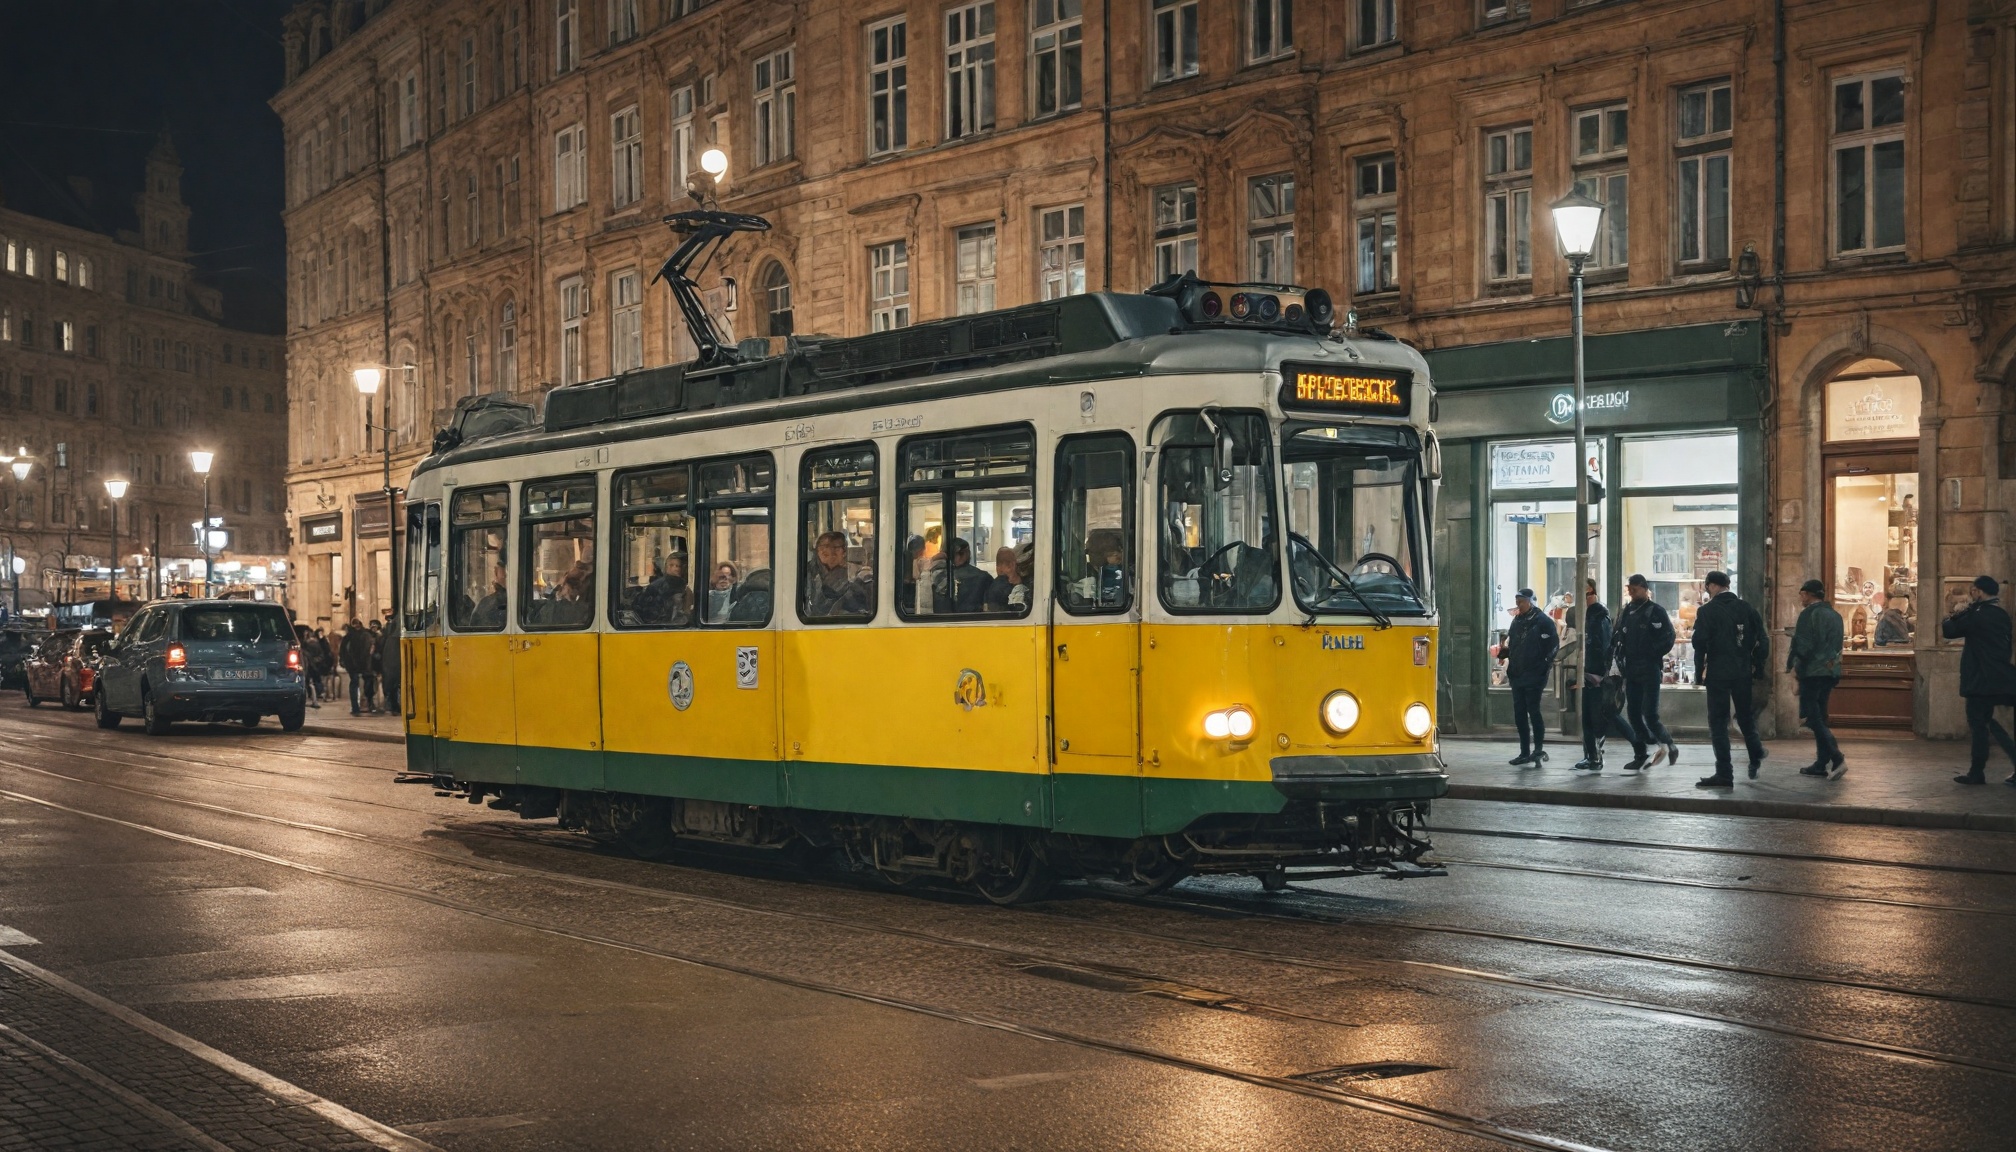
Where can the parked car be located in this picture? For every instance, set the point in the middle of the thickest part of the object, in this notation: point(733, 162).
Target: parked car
point(65, 667)
point(16, 645)
point(203, 660)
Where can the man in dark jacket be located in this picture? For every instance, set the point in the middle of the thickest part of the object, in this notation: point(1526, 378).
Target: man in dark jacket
point(1815, 659)
point(1643, 637)
point(1987, 679)
point(354, 654)
point(1730, 650)
point(1596, 654)
point(1530, 645)
point(389, 668)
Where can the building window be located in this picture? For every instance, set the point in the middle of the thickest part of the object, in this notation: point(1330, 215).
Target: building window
point(566, 34)
point(1060, 261)
point(66, 335)
point(468, 75)
point(409, 111)
point(626, 322)
point(515, 48)
point(28, 260)
point(776, 108)
point(1702, 139)
point(1869, 164)
point(83, 273)
point(1056, 45)
point(680, 164)
point(13, 248)
point(472, 211)
point(472, 364)
point(62, 266)
point(1499, 11)
point(59, 397)
point(888, 86)
point(7, 325)
point(1270, 229)
point(889, 286)
point(1271, 25)
point(507, 347)
point(91, 398)
point(91, 340)
point(1602, 155)
point(626, 160)
point(1175, 231)
point(776, 298)
point(622, 20)
point(1378, 22)
point(573, 304)
point(969, 70)
point(1376, 206)
point(1873, 546)
point(570, 167)
point(973, 271)
point(1508, 203)
point(1175, 39)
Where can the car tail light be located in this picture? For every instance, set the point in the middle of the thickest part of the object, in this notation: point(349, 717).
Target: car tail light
point(178, 656)
point(294, 659)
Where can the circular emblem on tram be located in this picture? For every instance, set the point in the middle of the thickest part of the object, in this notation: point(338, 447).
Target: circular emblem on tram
point(679, 685)
point(971, 691)
point(1561, 409)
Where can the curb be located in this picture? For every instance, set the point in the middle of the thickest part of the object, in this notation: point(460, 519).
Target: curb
point(1772, 809)
point(341, 733)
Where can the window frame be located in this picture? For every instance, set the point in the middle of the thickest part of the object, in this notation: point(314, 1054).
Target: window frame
point(1269, 469)
point(970, 59)
point(1065, 37)
point(1176, 45)
point(897, 310)
point(1280, 35)
point(573, 366)
point(528, 520)
point(626, 158)
point(1508, 184)
point(1700, 150)
point(887, 56)
point(679, 139)
point(620, 515)
point(771, 297)
point(1065, 240)
point(1276, 231)
point(570, 153)
point(1383, 16)
point(775, 105)
point(1865, 141)
point(566, 36)
point(1130, 499)
point(1597, 174)
point(948, 495)
point(1172, 237)
point(701, 505)
point(1381, 209)
point(985, 238)
point(807, 496)
point(626, 320)
point(457, 533)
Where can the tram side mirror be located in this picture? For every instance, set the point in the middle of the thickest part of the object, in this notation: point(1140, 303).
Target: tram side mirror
point(1222, 459)
point(1431, 458)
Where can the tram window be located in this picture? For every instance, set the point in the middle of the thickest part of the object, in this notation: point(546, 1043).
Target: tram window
point(969, 518)
point(654, 533)
point(479, 522)
point(557, 582)
point(1353, 498)
point(423, 565)
point(1216, 513)
point(1095, 524)
point(734, 506)
point(837, 563)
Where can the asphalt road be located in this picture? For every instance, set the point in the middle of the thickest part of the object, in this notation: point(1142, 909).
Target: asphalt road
point(1582, 978)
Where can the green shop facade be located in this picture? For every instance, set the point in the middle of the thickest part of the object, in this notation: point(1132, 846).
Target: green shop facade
point(1674, 435)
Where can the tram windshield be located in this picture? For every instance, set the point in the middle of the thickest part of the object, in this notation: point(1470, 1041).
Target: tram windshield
point(1354, 500)
point(1219, 552)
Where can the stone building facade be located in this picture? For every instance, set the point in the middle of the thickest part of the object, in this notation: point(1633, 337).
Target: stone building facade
point(113, 364)
point(1811, 220)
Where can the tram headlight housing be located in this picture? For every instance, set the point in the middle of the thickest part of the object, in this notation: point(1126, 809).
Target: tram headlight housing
point(1340, 712)
point(1417, 721)
point(1234, 723)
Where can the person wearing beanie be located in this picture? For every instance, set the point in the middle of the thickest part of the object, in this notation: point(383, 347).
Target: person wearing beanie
point(1987, 678)
point(1730, 651)
point(1815, 660)
point(1528, 652)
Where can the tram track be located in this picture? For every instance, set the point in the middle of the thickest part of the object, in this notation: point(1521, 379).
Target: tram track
point(1718, 850)
point(544, 839)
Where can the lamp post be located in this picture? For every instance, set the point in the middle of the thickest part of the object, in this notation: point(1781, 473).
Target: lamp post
point(370, 379)
point(116, 489)
point(200, 461)
point(21, 465)
point(1576, 219)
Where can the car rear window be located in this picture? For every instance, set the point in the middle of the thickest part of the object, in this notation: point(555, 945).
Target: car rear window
point(94, 644)
point(246, 625)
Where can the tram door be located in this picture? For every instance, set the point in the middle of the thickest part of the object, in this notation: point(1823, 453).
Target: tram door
point(1095, 639)
point(420, 645)
point(473, 701)
point(556, 656)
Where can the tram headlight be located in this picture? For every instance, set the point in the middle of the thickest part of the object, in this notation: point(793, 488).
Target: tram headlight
point(1340, 712)
point(1417, 720)
point(1217, 725)
point(1234, 723)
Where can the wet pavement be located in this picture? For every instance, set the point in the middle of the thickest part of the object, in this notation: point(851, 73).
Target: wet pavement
point(1584, 977)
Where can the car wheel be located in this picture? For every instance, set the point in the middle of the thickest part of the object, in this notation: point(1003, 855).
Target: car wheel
point(70, 701)
point(249, 721)
point(106, 717)
point(292, 717)
point(34, 701)
point(150, 715)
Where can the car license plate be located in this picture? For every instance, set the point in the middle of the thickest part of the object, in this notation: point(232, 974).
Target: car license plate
point(238, 674)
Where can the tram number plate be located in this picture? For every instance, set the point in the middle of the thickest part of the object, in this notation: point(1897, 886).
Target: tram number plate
point(238, 674)
point(1332, 388)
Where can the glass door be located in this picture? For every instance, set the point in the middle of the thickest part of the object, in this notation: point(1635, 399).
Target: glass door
point(1872, 576)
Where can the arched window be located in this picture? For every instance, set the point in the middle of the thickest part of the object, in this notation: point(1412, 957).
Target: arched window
point(507, 347)
point(777, 298)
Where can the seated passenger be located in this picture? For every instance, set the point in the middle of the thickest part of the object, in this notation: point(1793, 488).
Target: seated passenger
point(663, 600)
point(749, 602)
point(1009, 590)
point(956, 586)
point(489, 611)
point(719, 591)
point(574, 597)
point(913, 574)
point(830, 590)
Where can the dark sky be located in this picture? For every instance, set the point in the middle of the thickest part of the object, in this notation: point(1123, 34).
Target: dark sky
point(85, 87)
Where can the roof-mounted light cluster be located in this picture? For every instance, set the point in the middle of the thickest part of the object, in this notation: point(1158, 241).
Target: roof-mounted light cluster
point(1250, 305)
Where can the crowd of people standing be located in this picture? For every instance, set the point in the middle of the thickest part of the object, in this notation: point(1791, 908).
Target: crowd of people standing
point(365, 657)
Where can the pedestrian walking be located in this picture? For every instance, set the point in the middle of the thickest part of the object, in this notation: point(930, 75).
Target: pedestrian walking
point(1730, 651)
point(304, 645)
point(1530, 646)
point(1596, 655)
point(1642, 637)
point(354, 654)
point(388, 662)
point(1987, 679)
point(371, 668)
point(1815, 659)
point(325, 665)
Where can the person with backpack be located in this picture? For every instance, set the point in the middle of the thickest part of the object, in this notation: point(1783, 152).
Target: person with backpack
point(1730, 652)
point(1643, 637)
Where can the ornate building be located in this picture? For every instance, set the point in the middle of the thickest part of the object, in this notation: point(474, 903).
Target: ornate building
point(1801, 303)
point(114, 365)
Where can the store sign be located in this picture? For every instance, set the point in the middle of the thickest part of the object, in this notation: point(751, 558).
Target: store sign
point(322, 529)
point(1546, 465)
point(1881, 408)
point(1561, 409)
point(1363, 392)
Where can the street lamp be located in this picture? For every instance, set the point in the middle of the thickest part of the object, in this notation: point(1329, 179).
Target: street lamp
point(21, 465)
point(200, 461)
point(1576, 219)
point(116, 489)
point(368, 379)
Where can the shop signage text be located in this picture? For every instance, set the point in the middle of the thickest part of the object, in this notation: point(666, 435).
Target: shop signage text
point(1561, 409)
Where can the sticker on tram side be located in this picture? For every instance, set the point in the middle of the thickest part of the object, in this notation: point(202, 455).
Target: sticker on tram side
point(1420, 651)
point(745, 667)
point(679, 685)
point(971, 691)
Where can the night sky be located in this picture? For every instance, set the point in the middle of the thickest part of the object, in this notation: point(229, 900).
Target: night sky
point(85, 87)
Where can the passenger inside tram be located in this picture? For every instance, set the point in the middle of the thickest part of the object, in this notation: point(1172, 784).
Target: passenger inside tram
point(664, 600)
point(833, 588)
point(1009, 590)
point(489, 611)
point(957, 586)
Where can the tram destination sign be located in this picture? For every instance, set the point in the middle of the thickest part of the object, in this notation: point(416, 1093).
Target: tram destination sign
point(1335, 388)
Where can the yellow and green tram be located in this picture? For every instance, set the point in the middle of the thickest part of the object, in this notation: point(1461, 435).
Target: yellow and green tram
point(1118, 586)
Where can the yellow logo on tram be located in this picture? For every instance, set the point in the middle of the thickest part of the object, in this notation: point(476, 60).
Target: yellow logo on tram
point(971, 691)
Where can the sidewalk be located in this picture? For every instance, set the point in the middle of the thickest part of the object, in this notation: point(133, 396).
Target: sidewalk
point(1889, 781)
point(334, 719)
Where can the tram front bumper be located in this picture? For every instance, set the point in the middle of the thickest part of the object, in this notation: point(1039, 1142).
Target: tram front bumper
point(1418, 776)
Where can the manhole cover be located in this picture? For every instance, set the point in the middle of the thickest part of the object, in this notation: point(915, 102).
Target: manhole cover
point(1351, 1073)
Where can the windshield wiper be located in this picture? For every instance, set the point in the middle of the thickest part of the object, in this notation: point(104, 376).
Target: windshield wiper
point(1343, 578)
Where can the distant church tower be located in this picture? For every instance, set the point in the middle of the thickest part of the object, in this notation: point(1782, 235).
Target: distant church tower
point(164, 219)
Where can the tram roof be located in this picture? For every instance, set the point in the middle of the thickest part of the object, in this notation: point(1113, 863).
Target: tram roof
point(1075, 340)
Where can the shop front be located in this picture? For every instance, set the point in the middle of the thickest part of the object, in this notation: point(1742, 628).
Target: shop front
point(1674, 452)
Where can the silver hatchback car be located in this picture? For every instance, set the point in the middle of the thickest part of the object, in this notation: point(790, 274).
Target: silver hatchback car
point(203, 660)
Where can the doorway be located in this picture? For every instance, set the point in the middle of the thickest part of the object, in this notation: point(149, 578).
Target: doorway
point(1869, 469)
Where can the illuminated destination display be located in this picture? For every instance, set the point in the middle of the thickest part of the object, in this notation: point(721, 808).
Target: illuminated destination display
point(1349, 390)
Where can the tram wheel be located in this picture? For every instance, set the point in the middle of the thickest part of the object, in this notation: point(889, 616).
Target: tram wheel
point(1147, 870)
point(1017, 876)
point(643, 828)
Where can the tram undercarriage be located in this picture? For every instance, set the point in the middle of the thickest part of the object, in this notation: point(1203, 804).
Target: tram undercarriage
point(1306, 840)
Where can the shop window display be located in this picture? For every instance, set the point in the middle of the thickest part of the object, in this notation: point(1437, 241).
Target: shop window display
point(1533, 531)
point(1678, 518)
